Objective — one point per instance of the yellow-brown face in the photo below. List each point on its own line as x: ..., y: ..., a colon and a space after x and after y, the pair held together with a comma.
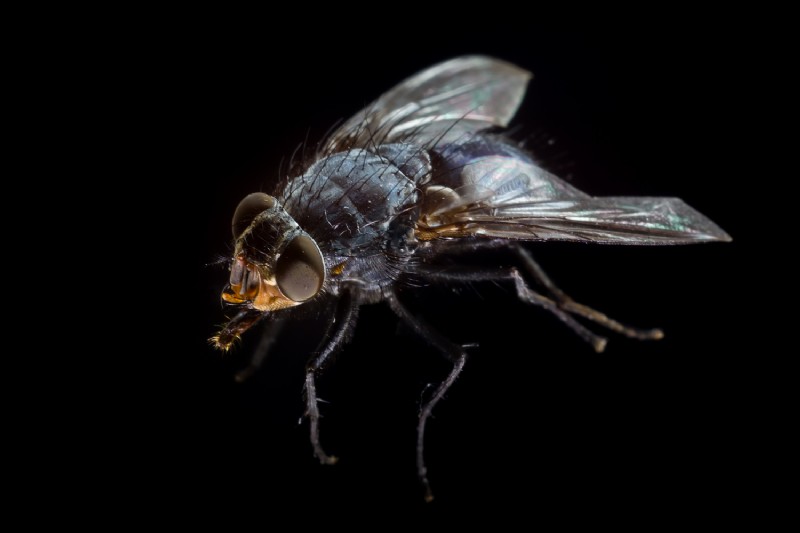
x: 276, y: 265
x: 247, y: 285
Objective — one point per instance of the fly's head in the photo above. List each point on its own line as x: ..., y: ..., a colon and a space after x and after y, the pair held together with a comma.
x: 275, y: 264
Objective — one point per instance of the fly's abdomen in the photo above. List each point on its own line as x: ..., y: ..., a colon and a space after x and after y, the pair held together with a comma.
x: 496, y: 167
x: 487, y: 170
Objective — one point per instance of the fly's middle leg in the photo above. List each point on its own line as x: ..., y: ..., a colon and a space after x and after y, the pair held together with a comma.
x: 337, y: 336
x: 456, y: 354
x: 268, y: 337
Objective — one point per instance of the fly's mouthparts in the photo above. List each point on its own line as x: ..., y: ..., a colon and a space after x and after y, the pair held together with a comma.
x: 245, y: 282
x: 242, y: 287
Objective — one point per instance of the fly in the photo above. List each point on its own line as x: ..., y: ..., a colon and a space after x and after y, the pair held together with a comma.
x: 420, y: 177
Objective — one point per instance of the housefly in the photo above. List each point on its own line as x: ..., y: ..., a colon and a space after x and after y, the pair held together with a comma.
x: 419, y: 176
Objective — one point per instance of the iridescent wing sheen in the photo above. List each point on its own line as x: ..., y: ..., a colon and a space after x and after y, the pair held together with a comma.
x: 499, y: 196
x: 445, y: 102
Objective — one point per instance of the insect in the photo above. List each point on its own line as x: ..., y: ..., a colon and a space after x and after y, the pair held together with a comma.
x: 402, y: 190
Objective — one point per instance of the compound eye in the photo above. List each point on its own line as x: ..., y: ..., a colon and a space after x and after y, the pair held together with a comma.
x: 300, y: 270
x: 249, y: 208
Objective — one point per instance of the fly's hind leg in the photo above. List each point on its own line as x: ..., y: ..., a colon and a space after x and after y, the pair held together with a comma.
x: 524, y: 293
x: 559, y: 303
x: 568, y: 304
x: 336, y: 337
x: 452, y: 352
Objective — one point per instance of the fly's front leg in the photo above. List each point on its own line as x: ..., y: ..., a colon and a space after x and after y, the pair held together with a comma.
x: 452, y: 352
x: 232, y: 331
x: 568, y: 304
x: 337, y: 335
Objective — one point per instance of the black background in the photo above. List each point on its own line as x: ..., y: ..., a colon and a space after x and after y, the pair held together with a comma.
x: 538, y: 423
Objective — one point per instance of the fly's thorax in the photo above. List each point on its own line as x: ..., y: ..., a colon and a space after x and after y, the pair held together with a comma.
x: 361, y: 205
x: 350, y: 200
x: 275, y: 263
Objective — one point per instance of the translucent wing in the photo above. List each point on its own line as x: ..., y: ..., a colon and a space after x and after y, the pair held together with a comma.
x: 444, y: 102
x: 500, y: 196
